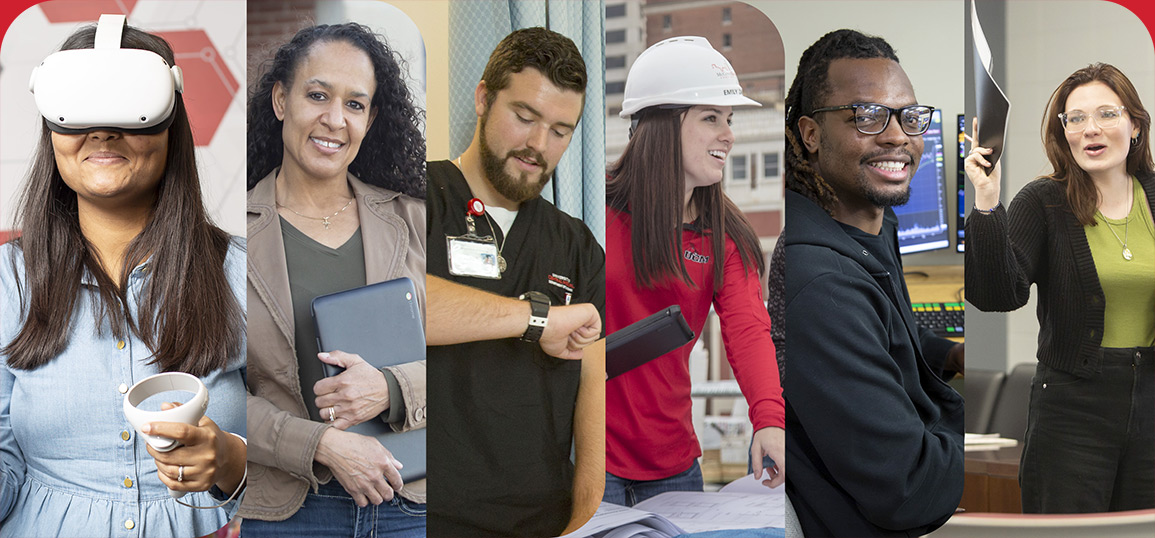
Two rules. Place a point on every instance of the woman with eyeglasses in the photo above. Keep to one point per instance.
(1084, 235)
(674, 238)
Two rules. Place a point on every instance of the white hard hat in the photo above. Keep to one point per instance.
(682, 71)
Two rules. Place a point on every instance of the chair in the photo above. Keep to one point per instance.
(793, 526)
(1009, 418)
(981, 389)
(1131, 524)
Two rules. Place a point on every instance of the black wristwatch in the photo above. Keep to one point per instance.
(538, 315)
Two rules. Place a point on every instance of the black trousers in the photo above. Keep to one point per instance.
(1090, 443)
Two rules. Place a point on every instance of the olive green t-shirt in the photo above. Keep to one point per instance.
(1128, 285)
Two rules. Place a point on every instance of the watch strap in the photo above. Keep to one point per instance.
(538, 315)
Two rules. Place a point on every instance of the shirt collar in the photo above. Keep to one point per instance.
(138, 272)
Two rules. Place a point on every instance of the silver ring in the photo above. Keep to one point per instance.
(180, 474)
(332, 415)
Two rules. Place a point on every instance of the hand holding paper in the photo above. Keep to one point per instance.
(984, 177)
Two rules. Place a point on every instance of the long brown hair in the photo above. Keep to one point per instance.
(1082, 195)
(648, 181)
(188, 315)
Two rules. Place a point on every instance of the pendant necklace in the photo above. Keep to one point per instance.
(324, 220)
(1126, 224)
(504, 236)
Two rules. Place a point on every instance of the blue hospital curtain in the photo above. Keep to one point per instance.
(476, 27)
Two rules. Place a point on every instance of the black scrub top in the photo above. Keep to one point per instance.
(500, 438)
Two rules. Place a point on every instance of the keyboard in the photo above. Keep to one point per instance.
(945, 319)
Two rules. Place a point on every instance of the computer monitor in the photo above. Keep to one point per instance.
(922, 222)
(961, 177)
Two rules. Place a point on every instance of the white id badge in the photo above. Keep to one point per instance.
(472, 256)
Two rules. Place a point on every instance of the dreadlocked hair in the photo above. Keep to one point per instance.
(808, 92)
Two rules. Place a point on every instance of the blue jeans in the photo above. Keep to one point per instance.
(332, 512)
(628, 492)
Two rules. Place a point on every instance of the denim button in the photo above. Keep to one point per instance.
(128, 524)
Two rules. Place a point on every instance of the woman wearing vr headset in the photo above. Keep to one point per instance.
(119, 275)
(336, 186)
(673, 237)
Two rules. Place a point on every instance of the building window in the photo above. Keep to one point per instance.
(615, 10)
(615, 62)
(727, 42)
(613, 88)
(738, 168)
(667, 23)
(725, 15)
(615, 36)
(770, 165)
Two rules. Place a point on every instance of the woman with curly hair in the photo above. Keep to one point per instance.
(336, 180)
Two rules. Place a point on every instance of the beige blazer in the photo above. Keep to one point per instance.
(282, 439)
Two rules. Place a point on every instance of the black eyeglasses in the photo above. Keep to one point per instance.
(872, 118)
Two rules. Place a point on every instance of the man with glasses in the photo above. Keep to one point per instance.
(875, 439)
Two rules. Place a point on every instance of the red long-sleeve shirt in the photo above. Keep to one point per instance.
(649, 431)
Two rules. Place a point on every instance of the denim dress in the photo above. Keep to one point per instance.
(72, 464)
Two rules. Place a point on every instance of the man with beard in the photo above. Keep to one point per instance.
(875, 440)
(516, 289)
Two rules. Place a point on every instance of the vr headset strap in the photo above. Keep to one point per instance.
(108, 31)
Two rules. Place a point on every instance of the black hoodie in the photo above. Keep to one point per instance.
(875, 436)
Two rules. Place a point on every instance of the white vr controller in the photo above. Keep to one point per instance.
(188, 413)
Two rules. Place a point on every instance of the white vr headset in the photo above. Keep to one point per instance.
(106, 87)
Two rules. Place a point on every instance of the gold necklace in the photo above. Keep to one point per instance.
(1126, 224)
(324, 220)
(493, 229)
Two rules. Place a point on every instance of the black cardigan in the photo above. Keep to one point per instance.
(1039, 241)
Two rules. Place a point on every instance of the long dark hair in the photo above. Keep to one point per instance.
(808, 91)
(188, 316)
(392, 155)
(1082, 195)
(649, 182)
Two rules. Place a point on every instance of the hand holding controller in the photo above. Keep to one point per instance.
(189, 413)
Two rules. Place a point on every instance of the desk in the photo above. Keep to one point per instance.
(942, 284)
(991, 481)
